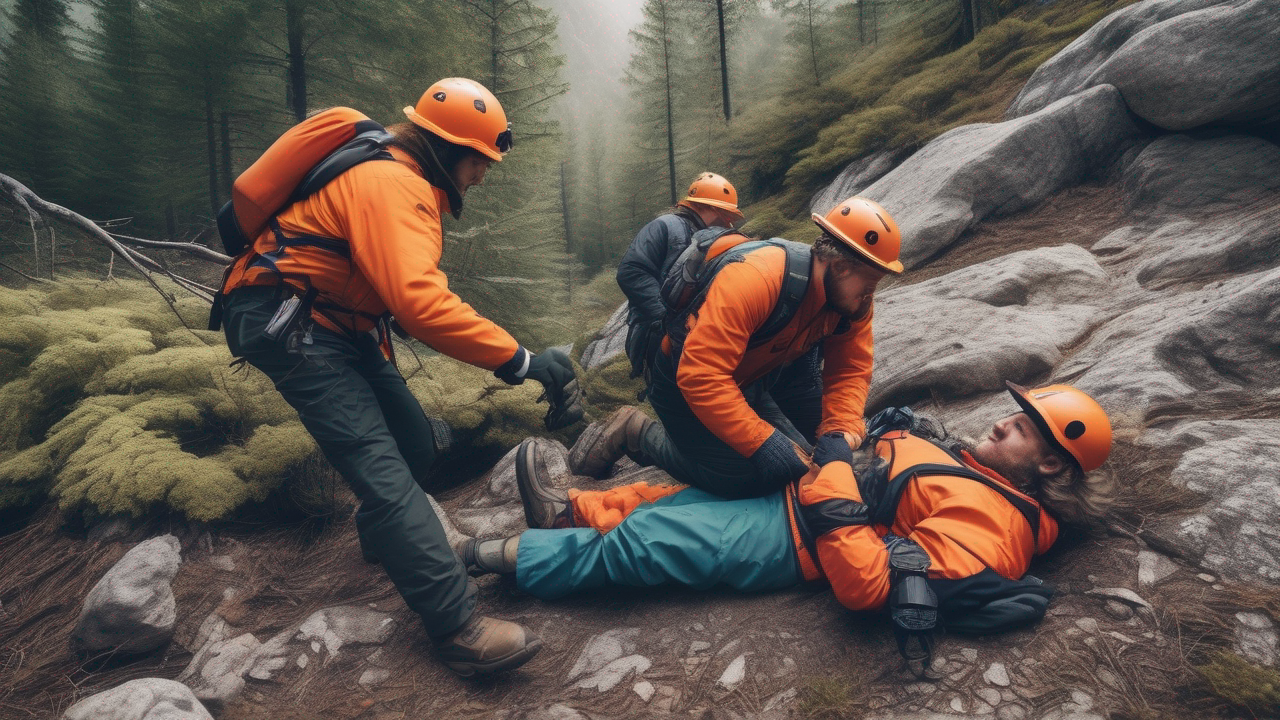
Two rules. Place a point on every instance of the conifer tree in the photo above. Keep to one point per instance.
(808, 21)
(35, 68)
(510, 258)
(118, 115)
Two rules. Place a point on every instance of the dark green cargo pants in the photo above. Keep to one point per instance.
(681, 445)
(363, 417)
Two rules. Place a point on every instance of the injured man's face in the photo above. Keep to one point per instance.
(1016, 449)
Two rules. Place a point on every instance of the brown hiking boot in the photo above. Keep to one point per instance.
(487, 645)
(604, 443)
(545, 506)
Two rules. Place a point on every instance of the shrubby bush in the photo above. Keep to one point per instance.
(109, 405)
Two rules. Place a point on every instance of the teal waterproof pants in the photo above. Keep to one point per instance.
(690, 538)
(371, 428)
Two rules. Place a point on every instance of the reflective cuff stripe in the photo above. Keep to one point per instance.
(524, 367)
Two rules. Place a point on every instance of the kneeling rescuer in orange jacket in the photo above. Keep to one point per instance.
(364, 247)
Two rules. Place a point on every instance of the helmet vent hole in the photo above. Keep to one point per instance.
(882, 222)
(439, 97)
(844, 210)
(1074, 429)
(726, 191)
(872, 237)
(480, 105)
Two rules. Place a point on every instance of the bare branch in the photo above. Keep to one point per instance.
(16, 270)
(80, 222)
(200, 251)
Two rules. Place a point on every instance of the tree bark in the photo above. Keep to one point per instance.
(966, 22)
(666, 76)
(568, 230)
(211, 147)
(813, 47)
(226, 153)
(295, 28)
(724, 63)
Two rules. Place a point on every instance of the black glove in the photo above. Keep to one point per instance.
(553, 369)
(776, 459)
(913, 606)
(832, 447)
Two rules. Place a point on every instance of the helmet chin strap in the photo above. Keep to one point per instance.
(451, 188)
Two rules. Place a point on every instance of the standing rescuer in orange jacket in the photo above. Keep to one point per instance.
(363, 247)
(934, 529)
(721, 430)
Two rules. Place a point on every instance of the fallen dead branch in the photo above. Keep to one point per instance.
(144, 265)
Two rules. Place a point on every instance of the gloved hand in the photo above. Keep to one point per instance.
(554, 370)
(832, 447)
(778, 459)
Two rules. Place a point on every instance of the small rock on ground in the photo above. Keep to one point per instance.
(142, 699)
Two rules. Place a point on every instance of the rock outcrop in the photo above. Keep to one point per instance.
(980, 171)
(1005, 319)
(131, 609)
(854, 178)
(609, 343)
(142, 699)
(1179, 64)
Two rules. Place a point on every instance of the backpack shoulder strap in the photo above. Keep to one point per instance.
(370, 143)
(795, 284)
(887, 510)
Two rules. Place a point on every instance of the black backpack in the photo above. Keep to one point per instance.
(687, 282)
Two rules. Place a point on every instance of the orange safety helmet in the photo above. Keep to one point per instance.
(867, 228)
(464, 112)
(712, 189)
(1070, 420)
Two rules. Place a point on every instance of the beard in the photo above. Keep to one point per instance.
(853, 308)
(1023, 474)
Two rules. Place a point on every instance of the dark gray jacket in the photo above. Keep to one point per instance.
(652, 253)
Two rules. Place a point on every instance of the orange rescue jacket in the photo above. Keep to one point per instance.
(371, 245)
(966, 527)
(715, 362)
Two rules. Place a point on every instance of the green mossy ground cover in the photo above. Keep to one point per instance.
(910, 90)
(108, 405)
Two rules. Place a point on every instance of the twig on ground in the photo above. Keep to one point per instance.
(16, 270)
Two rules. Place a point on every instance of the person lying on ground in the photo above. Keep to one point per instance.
(757, 311)
(922, 523)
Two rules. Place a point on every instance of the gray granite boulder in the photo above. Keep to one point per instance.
(1068, 72)
(1210, 65)
(1181, 175)
(132, 609)
(854, 178)
(609, 342)
(988, 170)
(1225, 336)
(967, 332)
(1234, 465)
(142, 699)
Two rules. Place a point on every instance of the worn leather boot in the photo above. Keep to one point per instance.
(545, 506)
(487, 645)
(604, 443)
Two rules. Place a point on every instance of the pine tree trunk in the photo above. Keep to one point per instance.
(862, 22)
(813, 47)
(295, 29)
(212, 151)
(170, 222)
(227, 173)
(966, 22)
(724, 63)
(666, 79)
(493, 49)
(568, 230)
(975, 12)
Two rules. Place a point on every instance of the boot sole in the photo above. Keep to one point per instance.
(526, 483)
(509, 662)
